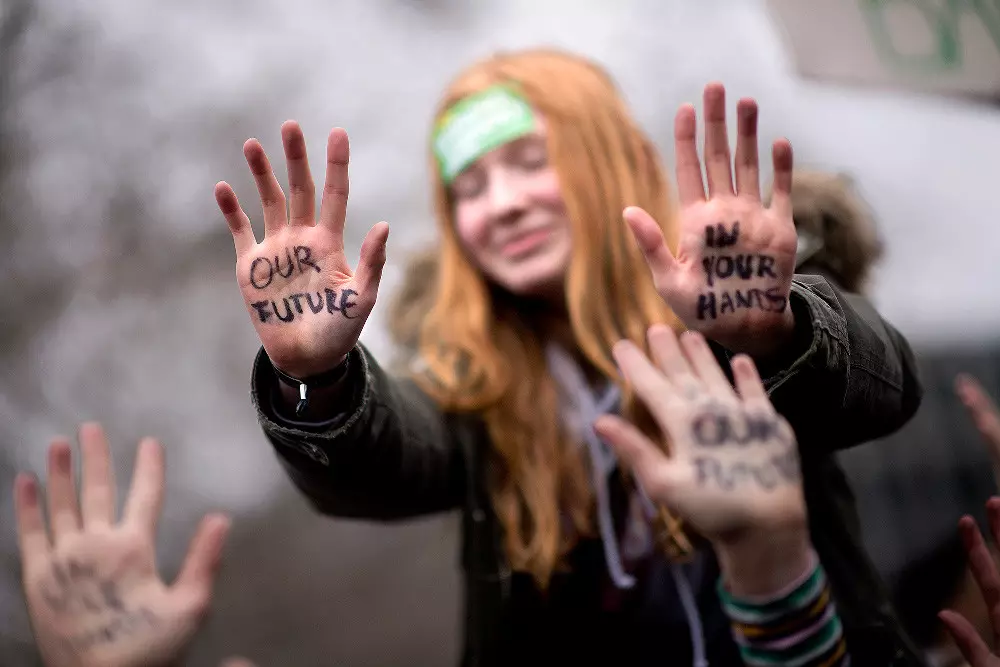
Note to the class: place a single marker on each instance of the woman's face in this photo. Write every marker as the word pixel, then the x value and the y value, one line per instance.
pixel 511 218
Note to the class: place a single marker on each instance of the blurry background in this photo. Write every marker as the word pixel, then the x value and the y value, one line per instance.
pixel 118 300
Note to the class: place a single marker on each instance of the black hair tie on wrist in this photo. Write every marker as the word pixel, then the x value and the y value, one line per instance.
pixel 324 379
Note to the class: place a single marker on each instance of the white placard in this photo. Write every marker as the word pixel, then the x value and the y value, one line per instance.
pixel 948 46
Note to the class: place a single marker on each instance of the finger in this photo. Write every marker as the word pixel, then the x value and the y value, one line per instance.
pixel 272 199
pixel 201 564
pixel 372 260
pixel 690 185
pixel 748 382
pixel 667 354
pixel 747 162
pixel 967 639
pixel 718 163
pixel 981 408
pixel 302 207
pixel 64 513
pixel 145 497
pixel 31 536
pixel 781 190
pixel 651 387
pixel 656 473
pixel 333 210
pixel 239 223
pixel 97 497
pixel 705 366
pixel 650 384
pixel 654 248
pixel 981 563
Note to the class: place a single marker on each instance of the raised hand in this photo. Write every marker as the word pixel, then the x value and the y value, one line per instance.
pixel 94 595
pixel 306 303
pixel 734 464
pixel 731 275
pixel 984 569
pixel 984 415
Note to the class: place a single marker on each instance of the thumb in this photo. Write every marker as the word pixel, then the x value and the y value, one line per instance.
pixel 369 272
pixel 654 248
pixel 657 474
pixel 197 575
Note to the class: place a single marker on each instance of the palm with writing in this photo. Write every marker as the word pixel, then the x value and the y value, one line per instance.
pixel 93 592
pixel 734 463
pixel 731 275
pixel 306 303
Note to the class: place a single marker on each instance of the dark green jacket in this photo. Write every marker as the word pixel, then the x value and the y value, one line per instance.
pixel 848 378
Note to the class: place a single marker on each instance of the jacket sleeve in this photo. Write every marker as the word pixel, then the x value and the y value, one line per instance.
pixel 857 377
pixel 389 454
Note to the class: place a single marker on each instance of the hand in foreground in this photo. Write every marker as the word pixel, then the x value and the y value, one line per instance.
pixel 734 470
pixel 984 570
pixel 306 304
pixel 94 595
pixel 731 275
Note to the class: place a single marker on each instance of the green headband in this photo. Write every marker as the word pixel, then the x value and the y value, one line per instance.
pixel 478 124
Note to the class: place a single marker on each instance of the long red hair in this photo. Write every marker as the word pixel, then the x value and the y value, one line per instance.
pixel 481 353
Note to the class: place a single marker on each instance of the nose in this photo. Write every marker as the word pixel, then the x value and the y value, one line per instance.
pixel 506 198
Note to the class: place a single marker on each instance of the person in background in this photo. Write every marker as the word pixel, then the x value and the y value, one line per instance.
pixel 972 624
pixel 940 579
pixel 559 238
pixel 93 594
pixel 968 638
pixel 959 575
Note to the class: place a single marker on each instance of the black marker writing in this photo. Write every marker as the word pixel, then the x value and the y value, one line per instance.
pixel 119 626
pixel 711 305
pixel 263 270
pixel 766 474
pixel 76 589
pixel 718 237
pixel 315 302
pixel 716 429
pixel 743 266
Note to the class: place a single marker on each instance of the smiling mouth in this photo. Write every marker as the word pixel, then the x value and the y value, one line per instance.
pixel 525 243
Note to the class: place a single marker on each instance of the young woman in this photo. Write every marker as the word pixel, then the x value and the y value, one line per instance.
pixel 535 157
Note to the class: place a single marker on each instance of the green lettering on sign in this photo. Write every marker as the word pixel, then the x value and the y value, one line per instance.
pixel 944 21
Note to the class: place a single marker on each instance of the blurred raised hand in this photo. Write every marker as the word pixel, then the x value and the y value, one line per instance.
pixel 984 569
pixel 984 415
pixel 733 470
pixel 94 595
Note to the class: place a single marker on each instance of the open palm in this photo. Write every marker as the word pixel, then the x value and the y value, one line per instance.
pixel 93 592
pixel 733 463
pixel 306 303
pixel 731 275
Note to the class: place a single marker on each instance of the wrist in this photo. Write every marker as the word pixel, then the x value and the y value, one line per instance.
pixel 764 563
pixel 304 373
pixel 306 392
